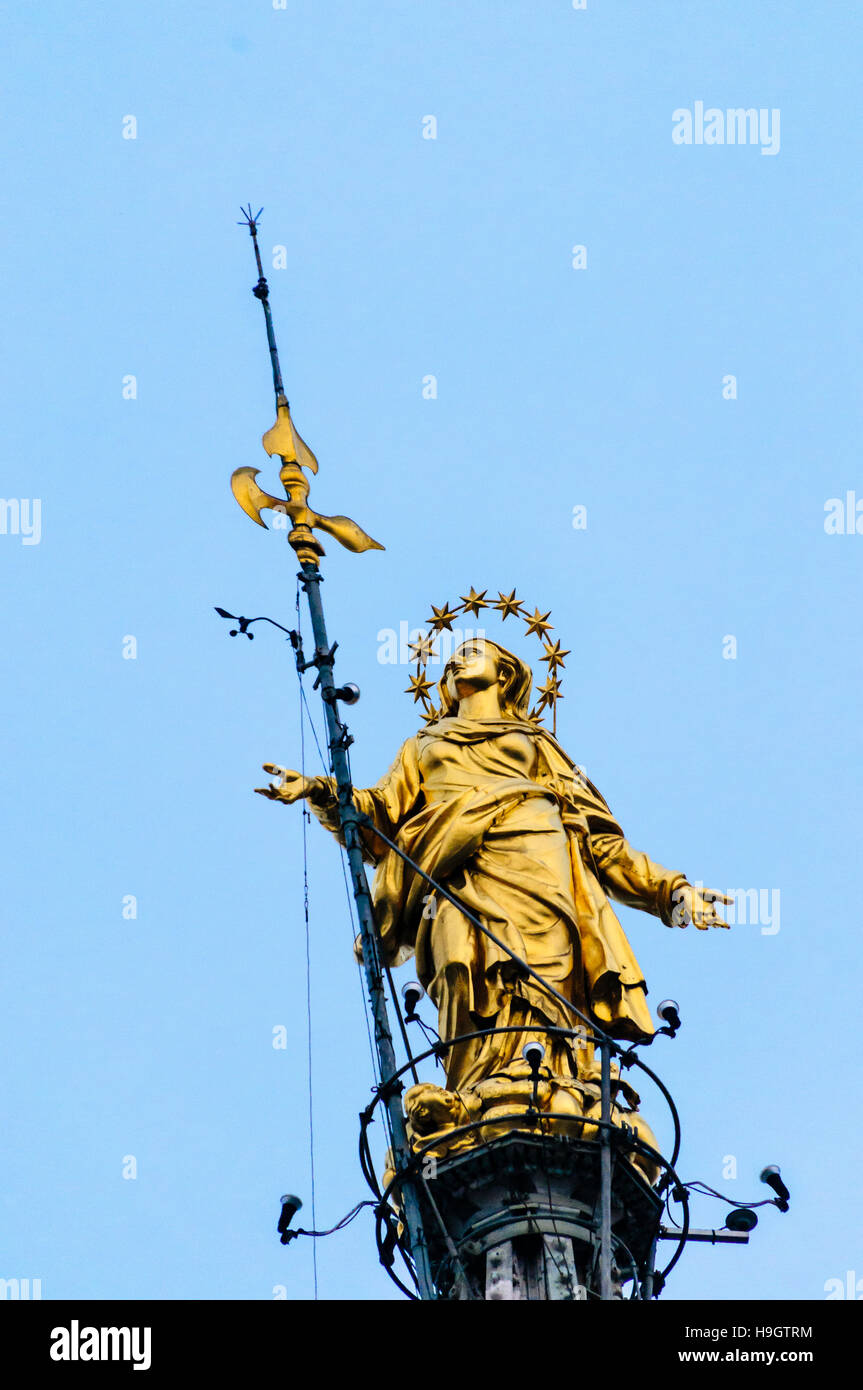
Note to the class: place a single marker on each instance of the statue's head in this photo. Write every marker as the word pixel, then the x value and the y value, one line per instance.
pixel 480 664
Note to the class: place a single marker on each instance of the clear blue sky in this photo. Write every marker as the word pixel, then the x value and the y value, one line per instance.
pixel 556 387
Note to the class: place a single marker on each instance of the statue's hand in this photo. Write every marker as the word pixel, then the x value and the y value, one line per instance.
pixel 292 786
pixel 697 905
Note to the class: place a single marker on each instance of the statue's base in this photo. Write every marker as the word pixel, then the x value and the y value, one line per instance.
pixel 518 1218
pixel 442 1123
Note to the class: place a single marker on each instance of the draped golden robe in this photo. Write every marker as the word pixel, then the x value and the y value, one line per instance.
pixel 498 814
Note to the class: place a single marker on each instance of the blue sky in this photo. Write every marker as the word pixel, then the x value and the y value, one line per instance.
pixel 601 387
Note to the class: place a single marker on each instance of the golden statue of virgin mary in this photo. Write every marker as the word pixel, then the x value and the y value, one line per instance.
pixel 488 804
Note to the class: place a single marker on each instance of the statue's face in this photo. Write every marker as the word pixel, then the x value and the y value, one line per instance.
pixel 473 666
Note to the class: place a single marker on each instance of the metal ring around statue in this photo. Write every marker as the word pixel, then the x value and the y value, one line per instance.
pixel 551 1029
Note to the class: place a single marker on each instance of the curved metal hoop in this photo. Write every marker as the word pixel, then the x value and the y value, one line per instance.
pixel 438 1048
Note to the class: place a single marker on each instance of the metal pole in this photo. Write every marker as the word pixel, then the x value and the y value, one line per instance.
pixel 605 1175
pixel 311 580
pixel 647 1285
pixel 261 292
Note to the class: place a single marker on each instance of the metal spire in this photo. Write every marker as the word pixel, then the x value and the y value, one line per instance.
pixel 261 291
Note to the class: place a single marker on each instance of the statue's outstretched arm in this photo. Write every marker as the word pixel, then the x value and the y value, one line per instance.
pixel 386 803
pixel 633 878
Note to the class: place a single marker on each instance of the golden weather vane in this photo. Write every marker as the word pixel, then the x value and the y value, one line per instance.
pixel 284 440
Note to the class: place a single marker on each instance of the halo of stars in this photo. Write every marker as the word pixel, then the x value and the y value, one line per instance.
pixel 509 606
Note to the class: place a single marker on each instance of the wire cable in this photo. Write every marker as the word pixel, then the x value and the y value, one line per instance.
pixel 327 769
pixel 340 1225
pixel 305 819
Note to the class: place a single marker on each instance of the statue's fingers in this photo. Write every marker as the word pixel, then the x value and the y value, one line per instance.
pixel 263 791
pixel 274 770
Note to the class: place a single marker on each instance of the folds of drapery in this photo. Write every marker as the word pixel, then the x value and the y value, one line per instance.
pixel 458 842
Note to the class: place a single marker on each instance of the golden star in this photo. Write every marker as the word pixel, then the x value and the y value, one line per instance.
pixel 554 655
pixel 473 602
pixel 538 623
pixel 548 693
pixel 443 617
pixel 419 687
pixel 432 715
pixel 422 649
pixel 509 604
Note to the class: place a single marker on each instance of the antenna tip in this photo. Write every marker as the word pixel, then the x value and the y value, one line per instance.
pixel 250 219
